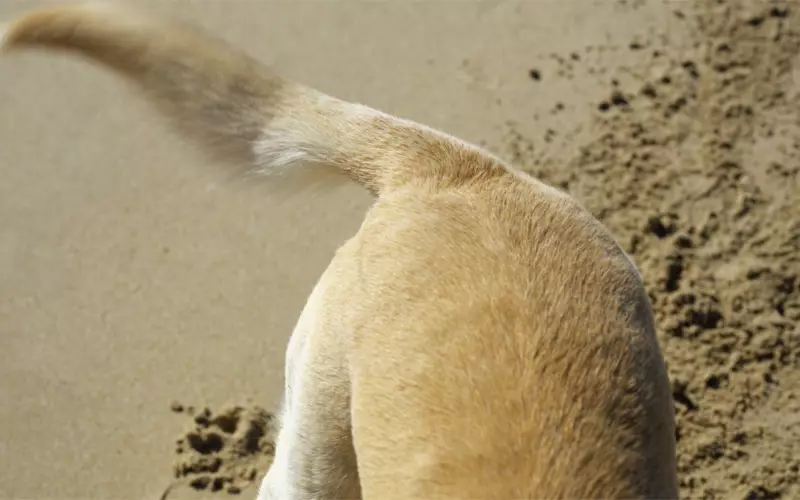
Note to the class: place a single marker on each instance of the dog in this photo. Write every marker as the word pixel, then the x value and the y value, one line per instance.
pixel 481 336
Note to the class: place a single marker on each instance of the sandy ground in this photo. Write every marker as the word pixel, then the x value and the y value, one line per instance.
pixel 146 297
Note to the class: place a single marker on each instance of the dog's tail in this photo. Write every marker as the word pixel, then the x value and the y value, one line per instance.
pixel 235 106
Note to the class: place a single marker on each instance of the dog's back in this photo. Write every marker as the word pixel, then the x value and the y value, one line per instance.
pixel 517 357
pixel 494 340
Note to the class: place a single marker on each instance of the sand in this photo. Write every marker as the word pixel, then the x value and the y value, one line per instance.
pixel 146 296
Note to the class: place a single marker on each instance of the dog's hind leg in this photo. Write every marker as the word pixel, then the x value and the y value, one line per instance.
pixel 314 456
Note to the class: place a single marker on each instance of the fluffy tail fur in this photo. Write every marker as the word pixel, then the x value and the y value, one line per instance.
pixel 237 107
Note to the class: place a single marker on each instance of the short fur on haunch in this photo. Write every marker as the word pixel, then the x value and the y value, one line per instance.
pixel 481 336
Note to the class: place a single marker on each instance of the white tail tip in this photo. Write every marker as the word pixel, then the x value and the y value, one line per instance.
pixel 4 27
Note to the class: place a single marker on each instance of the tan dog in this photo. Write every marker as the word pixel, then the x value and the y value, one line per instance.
pixel 482 336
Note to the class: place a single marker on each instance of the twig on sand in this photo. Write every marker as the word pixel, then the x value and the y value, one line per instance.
pixel 167 490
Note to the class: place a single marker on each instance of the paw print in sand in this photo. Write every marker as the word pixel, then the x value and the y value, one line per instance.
pixel 226 451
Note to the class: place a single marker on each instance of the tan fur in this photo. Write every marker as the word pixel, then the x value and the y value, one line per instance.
pixel 481 336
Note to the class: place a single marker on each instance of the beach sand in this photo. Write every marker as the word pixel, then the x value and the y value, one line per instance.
pixel 147 295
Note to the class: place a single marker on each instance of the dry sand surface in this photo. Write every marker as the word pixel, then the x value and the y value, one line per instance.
pixel 146 299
